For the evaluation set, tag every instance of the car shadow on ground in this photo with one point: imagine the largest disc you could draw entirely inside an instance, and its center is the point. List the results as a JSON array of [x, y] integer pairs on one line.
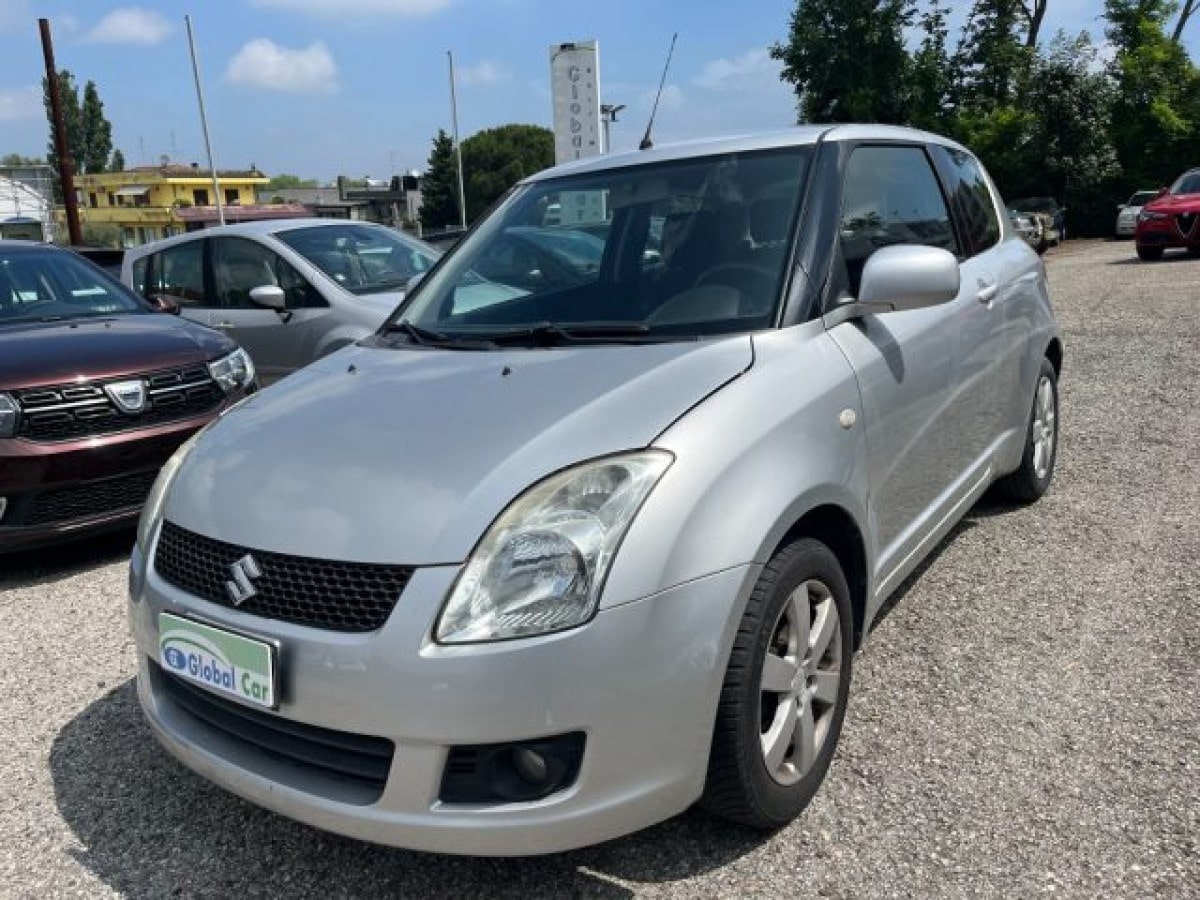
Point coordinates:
[[50, 564], [1133, 259], [150, 828], [986, 508]]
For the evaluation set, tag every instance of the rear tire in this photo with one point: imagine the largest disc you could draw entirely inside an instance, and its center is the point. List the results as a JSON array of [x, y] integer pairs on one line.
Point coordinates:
[[785, 691], [1032, 479], [1149, 254]]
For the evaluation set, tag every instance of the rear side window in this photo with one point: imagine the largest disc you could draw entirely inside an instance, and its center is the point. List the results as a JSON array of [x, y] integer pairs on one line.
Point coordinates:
[[179, 273], [973, 197], [891, 196]]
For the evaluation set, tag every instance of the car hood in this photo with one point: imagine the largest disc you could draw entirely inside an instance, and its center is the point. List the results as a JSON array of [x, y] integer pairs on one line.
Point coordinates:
[[43, 353], [407, 455], [1175, 203]]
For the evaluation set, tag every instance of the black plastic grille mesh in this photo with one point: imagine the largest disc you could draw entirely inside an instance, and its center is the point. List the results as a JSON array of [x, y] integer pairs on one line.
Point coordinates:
[[48, 414], [338, 596], [89, 498]]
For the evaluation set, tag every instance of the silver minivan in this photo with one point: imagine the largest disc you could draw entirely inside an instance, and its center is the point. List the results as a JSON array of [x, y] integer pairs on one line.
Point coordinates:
[[546, 560], [288, 290]]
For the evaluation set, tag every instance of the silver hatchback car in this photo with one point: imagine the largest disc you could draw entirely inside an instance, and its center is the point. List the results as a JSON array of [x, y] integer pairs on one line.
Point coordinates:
[[550, 559], [288, 290]]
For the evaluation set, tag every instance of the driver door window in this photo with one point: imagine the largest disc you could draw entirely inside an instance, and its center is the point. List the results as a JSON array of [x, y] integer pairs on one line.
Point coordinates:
[[239, 266], [891, 196]]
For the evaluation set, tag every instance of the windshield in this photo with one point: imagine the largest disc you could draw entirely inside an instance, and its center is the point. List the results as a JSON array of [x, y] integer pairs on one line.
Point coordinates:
[[1188, 183], [51, 285], [361, 258], [663, 252], [1141, 198]]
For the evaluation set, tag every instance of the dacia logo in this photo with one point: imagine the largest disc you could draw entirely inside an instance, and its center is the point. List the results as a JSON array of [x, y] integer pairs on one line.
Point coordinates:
[[243, 572], [129, 396]]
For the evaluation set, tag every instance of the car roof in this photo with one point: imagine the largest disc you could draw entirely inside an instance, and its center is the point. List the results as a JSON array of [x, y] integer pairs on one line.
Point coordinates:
[[267, 227], [19, 246], [797, 136]]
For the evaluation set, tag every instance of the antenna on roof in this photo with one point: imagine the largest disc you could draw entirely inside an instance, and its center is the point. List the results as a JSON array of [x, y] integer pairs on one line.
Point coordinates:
[[647, 142]]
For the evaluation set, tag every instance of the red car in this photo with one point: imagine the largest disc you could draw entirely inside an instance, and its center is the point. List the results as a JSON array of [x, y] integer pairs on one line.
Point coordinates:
[[97, 390], [1171, 219]]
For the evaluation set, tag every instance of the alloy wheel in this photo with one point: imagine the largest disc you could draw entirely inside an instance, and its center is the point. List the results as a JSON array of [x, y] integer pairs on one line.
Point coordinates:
[[1044, 433]]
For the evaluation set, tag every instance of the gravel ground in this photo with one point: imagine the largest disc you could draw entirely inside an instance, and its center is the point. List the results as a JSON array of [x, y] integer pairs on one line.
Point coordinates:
[[1023, 721]]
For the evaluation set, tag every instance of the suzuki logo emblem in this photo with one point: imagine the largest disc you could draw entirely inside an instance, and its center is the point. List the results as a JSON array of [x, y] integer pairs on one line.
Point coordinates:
[[130, 396], [243, 572]]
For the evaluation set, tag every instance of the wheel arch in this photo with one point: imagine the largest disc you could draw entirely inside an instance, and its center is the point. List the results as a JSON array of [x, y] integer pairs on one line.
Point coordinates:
[[1054, 353], [835, 527]]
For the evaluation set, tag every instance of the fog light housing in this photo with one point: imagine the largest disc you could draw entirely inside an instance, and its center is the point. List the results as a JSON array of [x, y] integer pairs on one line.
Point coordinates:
[[518, 772]]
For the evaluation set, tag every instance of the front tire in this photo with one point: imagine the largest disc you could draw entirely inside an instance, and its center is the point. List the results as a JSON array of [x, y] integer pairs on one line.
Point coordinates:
[[1149, 254], [785, 691], [1032, 479]]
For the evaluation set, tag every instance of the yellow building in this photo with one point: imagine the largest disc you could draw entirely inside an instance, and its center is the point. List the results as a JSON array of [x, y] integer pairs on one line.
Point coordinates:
[[152, 202]]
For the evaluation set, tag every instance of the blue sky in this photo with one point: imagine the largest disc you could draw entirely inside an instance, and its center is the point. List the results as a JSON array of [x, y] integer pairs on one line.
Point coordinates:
[[359, 87]]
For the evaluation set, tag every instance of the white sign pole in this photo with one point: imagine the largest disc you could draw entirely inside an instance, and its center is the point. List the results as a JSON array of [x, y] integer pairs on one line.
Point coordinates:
[[578, 132]]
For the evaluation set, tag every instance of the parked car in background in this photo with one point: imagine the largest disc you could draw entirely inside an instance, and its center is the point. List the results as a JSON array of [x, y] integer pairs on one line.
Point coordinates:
[[290, 291], [1127, 213], [1169, 220], [1027, 228], [515, 576], [97, 390], [1050, 219]]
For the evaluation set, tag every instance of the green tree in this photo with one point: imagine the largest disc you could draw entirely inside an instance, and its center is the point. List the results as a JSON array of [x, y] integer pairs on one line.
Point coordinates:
[[16, 159], [118, 162], [95, 133], [89, 133], [69, 97], [1157, 97], [497, 158], [931, 80], [847, 58], [992, 59], [285, 181], [439, 185]]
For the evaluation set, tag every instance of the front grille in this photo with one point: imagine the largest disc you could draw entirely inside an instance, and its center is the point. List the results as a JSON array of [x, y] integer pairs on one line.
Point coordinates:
[[89, 498], [1185, 222], [338, 596], [358, 759], [69, 412]]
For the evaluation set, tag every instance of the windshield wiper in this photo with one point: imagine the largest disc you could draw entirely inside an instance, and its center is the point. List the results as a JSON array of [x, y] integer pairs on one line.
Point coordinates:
[[427, 337], [548, 334]]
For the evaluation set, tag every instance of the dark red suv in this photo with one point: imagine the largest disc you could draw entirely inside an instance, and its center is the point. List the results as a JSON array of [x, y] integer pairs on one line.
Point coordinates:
[[1172, 219], [97, 390]]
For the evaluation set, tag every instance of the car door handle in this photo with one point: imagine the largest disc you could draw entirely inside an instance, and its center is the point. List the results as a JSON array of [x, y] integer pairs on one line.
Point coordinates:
[[223, 325], [987, 291]]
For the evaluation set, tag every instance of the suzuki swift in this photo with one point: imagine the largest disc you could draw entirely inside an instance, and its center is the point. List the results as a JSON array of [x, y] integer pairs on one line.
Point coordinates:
[[569, 546]]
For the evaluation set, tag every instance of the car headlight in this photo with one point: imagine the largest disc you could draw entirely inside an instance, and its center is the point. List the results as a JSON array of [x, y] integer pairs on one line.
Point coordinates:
[[541, 566], [1148, 214], [9, 416], [153, 508], [233, 371]]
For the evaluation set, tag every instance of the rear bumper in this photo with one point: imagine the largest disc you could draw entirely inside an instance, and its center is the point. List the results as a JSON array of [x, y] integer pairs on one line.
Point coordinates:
[[59, 491]]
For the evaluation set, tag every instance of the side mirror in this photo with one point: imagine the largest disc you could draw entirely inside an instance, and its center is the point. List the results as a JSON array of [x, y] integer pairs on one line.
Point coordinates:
[[909, 276], [270, 296], [164, 304]]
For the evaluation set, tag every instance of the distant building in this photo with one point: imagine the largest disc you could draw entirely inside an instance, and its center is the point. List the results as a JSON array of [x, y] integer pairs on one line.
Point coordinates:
[[152, 202], [396, 203], [26, 203]]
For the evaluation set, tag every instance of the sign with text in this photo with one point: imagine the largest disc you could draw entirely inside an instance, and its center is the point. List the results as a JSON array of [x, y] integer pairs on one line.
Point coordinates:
[[575, 93]]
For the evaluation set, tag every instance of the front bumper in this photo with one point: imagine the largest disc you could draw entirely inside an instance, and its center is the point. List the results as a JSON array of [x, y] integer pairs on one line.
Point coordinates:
[[641, 681], [59, 491]]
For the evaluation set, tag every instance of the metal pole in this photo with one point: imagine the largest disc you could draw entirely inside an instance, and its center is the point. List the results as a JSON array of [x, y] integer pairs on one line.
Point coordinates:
[[204, 123], [62, 149], [462, 194]]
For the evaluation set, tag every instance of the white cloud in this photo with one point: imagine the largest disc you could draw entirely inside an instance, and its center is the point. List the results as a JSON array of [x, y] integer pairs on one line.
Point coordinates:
[[263, 63], [753, 65], [485, 72], [20, 103], [407, 9], [131, 25]]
